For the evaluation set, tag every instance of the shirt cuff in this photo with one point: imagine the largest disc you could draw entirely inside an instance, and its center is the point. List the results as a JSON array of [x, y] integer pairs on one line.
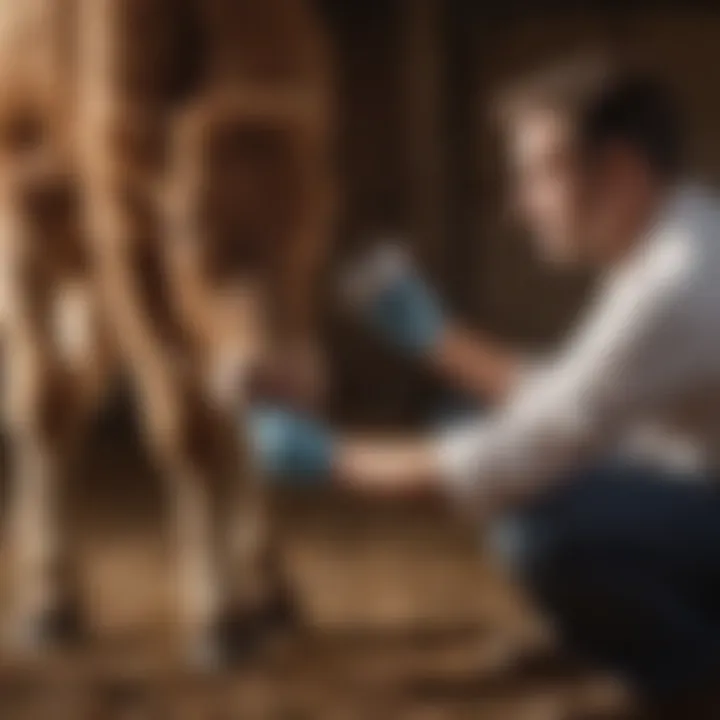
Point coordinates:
[[458, 452]]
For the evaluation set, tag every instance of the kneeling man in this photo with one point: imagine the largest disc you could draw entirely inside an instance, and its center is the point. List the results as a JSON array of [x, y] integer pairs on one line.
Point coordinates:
[[623, 553]]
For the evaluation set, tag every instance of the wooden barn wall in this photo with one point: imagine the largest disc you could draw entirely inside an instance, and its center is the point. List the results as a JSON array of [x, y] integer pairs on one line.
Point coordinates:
[[389, 163]]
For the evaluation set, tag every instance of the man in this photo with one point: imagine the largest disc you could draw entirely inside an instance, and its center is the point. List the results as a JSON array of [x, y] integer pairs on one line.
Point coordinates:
[[622, 553]]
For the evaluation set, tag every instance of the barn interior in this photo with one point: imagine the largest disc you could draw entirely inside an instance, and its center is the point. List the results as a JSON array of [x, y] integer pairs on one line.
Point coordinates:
[[401, 615]]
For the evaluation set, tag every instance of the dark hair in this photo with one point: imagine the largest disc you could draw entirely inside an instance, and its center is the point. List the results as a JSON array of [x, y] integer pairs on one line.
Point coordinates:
[[606, 104]]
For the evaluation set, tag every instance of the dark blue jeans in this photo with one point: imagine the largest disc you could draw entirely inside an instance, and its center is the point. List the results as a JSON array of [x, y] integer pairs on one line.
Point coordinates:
[[625, 561]]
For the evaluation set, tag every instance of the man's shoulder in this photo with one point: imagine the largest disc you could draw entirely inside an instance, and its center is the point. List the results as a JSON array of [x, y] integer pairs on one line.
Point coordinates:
[[687, 240], [694, 212], [681, 267], [676, 266]]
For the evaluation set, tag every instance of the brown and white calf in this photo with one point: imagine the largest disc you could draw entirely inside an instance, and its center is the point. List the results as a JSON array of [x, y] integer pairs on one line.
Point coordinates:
[[207, 195]]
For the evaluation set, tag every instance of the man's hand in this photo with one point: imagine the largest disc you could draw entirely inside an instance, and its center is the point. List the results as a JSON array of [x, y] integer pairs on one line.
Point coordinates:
[[391, 296], [296, 450], [289, 447]]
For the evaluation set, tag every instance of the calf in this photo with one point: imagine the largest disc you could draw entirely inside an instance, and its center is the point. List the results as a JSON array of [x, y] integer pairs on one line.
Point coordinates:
[[182, 206]]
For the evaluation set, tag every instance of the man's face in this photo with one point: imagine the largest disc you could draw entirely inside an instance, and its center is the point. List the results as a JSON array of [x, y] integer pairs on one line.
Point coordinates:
[[577, 212], [547, 186]]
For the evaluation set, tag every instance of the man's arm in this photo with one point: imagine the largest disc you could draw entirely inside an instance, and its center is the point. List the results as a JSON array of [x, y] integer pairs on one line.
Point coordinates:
[[304, 452], [393, 298], [299, 451], [387, 467], [476, 364], [624, 362]]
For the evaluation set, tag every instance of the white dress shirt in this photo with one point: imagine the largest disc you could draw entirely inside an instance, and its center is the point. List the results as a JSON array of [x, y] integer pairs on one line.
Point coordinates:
[[644, 364]]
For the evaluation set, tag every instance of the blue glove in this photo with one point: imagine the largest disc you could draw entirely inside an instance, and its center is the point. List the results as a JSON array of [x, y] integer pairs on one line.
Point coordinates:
[[290, 447], [395, 300]]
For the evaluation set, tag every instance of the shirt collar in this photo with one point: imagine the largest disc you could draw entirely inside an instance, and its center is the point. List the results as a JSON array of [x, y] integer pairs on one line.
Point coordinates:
[[677, 206]]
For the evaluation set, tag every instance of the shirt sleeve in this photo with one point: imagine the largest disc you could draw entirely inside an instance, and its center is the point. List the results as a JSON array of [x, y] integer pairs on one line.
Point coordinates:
[[625, 357]]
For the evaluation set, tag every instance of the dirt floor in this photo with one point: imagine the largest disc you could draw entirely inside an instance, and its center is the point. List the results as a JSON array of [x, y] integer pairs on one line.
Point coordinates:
[[402, 619]]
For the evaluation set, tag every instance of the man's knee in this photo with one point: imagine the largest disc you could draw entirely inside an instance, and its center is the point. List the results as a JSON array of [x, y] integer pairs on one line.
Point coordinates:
[[566, 574], [547, 545], [524, 546], [574, 518], [557, 546]]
